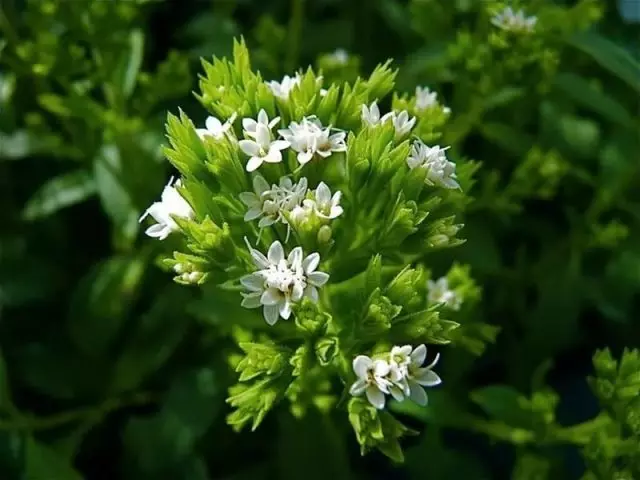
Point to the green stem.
(295, 34)
(59, 419)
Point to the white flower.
(340, 56)
(250, 125)
(309, 138)
(371, 380)
(439, 292)
(408, 375)
(371, 114)
(325, 205)
(401, 122)
(171, 203)
(283, 88)
(281, 281)
(440, 171)
(215, 128)
(513, 21)
(425, 98)
(262, 148)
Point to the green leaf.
(153, 339)
(116, 200)
(102, 300)
(501, 402)
(133, 63)
(610, 56)
(510, 139)
(59, 192)
(42, 462)
(588, 96)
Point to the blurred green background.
(109, 370)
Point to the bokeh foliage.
(106, 374)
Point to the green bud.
(324, 235)
(326, 349)
(379, 314)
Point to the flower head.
(261, 147)
(171, 203)
(215, 128)
(409, 376)
(283, 88)
(371, 114)
(323, 203)
(309, 138)
(281, 281)
(340, 56)
(440, 171)
(401, 122)
(513, 21)
(439, 292)
(372, 380)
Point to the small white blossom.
(270, 203)
(283, 88)
(310, 138)
(372, 380)
(440, 171)
(371, 114)
(401, 122)
(425, 98)
(250, 125)
(261, 148)
(439, 292)
(513, 21)
(171, 203)
(409, 376)
(324, 204)
(215, 128)
(281, 281)
(340, 56)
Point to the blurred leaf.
(501, 402)
(6, 403)
(43, 463)
(503, 97)
(510, 139)
(12, 455)
(610, 56)
(59, 192)
(102, 301)
(116, 199)
(127, 73)
(586, 95)
(155, 336)
(531, 467)
(164, 444)
(21, 144)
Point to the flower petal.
(323, 194)
(317, 279)
(375, 397)
(417, 394)
(254, 163)
(253, 282)
(285, 309)
(381, 368)
(396, 393)
(260, 185)
(252, 214)
(361, 365)
(418, 355)
(249, 147)
(274, 156)
(427, 378)
(270, 313)
(358, 387)
(311, 292)
(279, 145)
(249, 199)
(251, 300)
(275, 253)
(310, 263)
(271, 296)
(213, 125)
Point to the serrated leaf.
(60, 192)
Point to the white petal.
(304, 157)
(260, 185)
(252, 214)
(253, 282)
(159, 231)
(417, 394)
(435, 360)
(361, 365)
(270, 313)
(262, 117)
(396, 393)
(335, 212)
(323, 194)
(285, 310)
(311, 292)
(427, 378)
(249, 147)
(275, 253)
(213, 125)
(295, 257)
(418, 355)
(358, 387)
(318, 278)
(297, 292)
(254, 163)
(251, 300)
(375, 397)
(249, 199)
(271, 296)
(310, 263)
(280, 145)
(381, 368)
(274, 156)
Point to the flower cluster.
(514, 21)
(440, 293)
(399, 373)
(291, 211)
(426, 99)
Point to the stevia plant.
(308, 217)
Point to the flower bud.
(324, 235)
